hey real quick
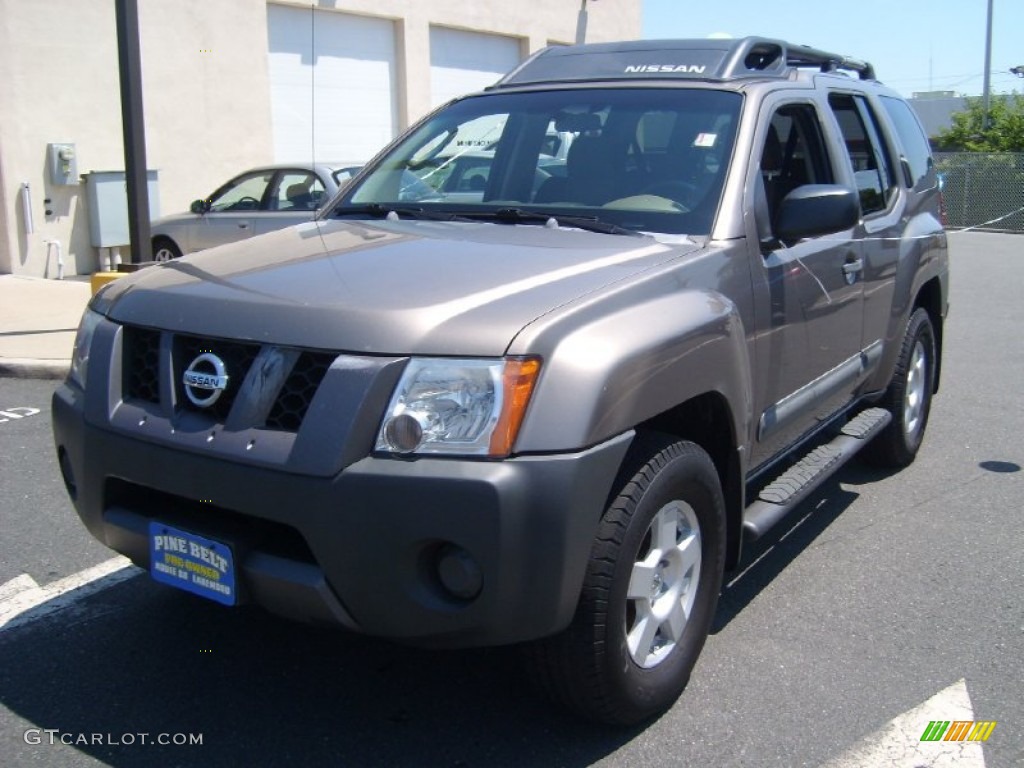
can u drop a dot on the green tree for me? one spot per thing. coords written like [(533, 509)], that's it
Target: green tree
[(1004, 131)]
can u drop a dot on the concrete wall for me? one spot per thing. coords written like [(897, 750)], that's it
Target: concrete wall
[(205, 92), (58, 88), (203, 121)]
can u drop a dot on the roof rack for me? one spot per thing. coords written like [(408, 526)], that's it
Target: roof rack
[(805, 56), (678, 59)]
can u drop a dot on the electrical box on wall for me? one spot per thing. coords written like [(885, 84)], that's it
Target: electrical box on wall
[(107, 195), (63, 164)]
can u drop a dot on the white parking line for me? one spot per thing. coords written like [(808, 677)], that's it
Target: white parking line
[(19, 412), (899, 744), (23, 601)]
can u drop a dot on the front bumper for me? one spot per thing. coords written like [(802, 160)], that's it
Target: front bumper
[(359, 548)]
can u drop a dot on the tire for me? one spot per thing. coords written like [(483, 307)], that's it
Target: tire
[(908, 398), (649, 593), (165, 249)]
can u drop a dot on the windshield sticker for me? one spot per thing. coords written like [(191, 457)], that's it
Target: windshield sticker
[(705, 140)]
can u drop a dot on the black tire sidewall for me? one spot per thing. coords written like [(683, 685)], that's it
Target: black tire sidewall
[(163, 243), (689, 477), (918, 329)]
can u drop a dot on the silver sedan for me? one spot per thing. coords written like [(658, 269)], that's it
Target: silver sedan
[(257, 201)]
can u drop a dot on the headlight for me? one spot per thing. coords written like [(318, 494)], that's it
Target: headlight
[(463, 407), (83, 345)]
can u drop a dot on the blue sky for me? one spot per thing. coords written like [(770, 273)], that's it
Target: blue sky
[(915, 45)]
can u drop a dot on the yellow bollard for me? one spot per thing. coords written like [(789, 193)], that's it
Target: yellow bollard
[(98, 279)]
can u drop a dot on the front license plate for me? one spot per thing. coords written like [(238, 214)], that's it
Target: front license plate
[(193, 563)]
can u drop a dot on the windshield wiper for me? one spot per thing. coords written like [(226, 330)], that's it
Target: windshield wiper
[(519, 216), (504, 215), (382, 211)]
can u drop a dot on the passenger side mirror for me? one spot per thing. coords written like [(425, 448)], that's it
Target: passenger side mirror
[(200, 206), (816, 209)]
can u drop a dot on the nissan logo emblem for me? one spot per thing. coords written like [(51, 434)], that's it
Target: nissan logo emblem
[(205, 380)]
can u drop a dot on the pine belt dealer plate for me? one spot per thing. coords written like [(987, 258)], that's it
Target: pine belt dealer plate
[(191, 562)]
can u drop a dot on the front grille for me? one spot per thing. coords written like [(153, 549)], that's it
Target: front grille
[(285, 412), (297, 393), (237, 358), (142, 364)]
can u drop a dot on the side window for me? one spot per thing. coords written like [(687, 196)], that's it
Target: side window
[(241, 194), (867, 152), (793, 154), (297, 191), (915, 145)]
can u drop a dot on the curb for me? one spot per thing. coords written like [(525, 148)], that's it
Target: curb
[(28, 368)]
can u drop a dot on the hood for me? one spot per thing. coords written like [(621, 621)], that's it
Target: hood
[(402, 287)]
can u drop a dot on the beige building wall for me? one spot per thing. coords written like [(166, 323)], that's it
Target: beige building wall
[(205, 92)]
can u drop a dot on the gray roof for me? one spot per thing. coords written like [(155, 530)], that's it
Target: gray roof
[(937, 114)]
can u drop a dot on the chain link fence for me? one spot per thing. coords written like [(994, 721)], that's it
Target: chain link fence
[(980, 189)]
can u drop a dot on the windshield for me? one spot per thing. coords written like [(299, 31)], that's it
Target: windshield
[(652, 160)]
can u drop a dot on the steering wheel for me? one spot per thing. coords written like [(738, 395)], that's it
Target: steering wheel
[(245, 204), (681, 193)]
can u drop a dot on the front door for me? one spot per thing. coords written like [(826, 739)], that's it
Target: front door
[(232, 212), (809, 294)]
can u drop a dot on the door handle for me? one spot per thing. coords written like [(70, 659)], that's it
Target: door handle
[(851, 268), (243, 225)]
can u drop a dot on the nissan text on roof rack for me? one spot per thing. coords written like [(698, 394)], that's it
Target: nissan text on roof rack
[(497, 396)]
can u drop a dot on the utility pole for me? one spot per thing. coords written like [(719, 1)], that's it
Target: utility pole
[(133, 128), (581, 24), (986, 95)]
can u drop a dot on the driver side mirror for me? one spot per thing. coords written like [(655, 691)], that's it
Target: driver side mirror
[(816, 209), (200, 206)]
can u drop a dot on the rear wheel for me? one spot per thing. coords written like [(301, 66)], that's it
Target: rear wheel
[(649, 594), (165, 249), (909, 397)]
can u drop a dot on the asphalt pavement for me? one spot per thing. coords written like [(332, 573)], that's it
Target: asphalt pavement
[(881, 592)]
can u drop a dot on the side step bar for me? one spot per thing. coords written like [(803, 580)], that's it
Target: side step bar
[(796, 483)]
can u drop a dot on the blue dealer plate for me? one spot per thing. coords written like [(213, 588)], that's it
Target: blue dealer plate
[(193, 563)]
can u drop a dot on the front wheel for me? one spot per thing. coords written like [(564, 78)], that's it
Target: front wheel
[(908, 398), (649, 593)]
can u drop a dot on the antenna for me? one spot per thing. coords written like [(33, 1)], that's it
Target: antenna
[(312, 84)]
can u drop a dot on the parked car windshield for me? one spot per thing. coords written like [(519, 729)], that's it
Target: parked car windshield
[(652, 160)]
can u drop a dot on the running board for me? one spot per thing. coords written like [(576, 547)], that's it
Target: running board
[(796, 483)]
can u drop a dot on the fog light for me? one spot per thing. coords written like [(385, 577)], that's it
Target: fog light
[(458, 572), (404, 433)]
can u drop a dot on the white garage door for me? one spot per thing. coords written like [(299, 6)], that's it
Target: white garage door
[(332, 84), (462, 62)]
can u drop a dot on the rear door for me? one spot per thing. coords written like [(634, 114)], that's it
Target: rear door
[(883, 209)]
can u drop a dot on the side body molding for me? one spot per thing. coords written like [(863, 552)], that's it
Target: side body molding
[(805, 399)]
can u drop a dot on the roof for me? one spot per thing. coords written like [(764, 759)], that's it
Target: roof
[(712, 59)]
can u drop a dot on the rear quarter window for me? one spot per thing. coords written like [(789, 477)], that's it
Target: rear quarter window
[(915, 144)]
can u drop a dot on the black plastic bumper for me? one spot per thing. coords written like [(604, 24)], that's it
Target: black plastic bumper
[(360, 549)]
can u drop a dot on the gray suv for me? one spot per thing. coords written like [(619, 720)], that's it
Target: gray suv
[(495, 396)]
